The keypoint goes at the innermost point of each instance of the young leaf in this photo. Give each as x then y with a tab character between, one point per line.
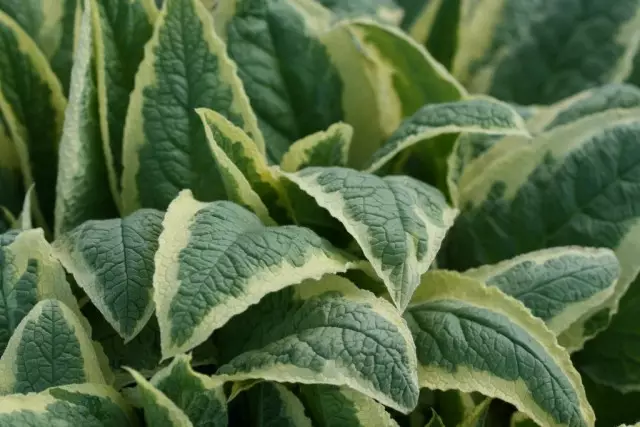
165	148
491	344
540	52
325	332
52	26
479	115
324	148
200	397
112	261
78	404
558	285
121	29
25	220
82	190
332	406
398	222
29	273
273	405
32	105
49	348
216	259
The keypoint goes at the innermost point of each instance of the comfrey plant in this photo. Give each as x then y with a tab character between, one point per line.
291	213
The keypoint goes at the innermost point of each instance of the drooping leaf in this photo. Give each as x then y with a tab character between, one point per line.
558	285
332	406
537	52
52	25
398	222
88	405
324	148
49	348
324	332
121	30
165	148
82	190
113	262
32	105
216	259
494	346
273	405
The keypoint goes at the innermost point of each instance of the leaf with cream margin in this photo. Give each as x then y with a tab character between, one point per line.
31	94
165	147
82	189
216	259
273	405
398	222
494	346
386	11
52	24
50	347
324	148
559	285
30	273
25	220
112	261
333	406
324	332
90	405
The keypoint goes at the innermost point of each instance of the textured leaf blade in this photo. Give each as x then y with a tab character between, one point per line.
494	346
112	261
49	348
216	259
160	160
82	189
310	334
324	148
398	222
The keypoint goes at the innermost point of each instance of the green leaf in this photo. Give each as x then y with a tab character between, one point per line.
386	11
31	94
52	25
539	52
479	115
112	261
294	87
82	190
479	417
435	420
25	220
90	405
216	259
199	396
29	273
165	148
273	405
398	222
49	348
121	29
324	332
11	181
518	419
324	148
558	285
332	406
545	194
493	346
612	407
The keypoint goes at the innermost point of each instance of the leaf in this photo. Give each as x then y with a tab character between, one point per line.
612	408
386	11
553	198
91	405
112	261
558	285
479	417
479	115
200	397
324	148
25	220
332	406
324	332
52	26
216	259
121	30
294	87
49	348
31	93
82	190
273	405
492	345
11	180
540	52
398	238
435	420
165	148
29	273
